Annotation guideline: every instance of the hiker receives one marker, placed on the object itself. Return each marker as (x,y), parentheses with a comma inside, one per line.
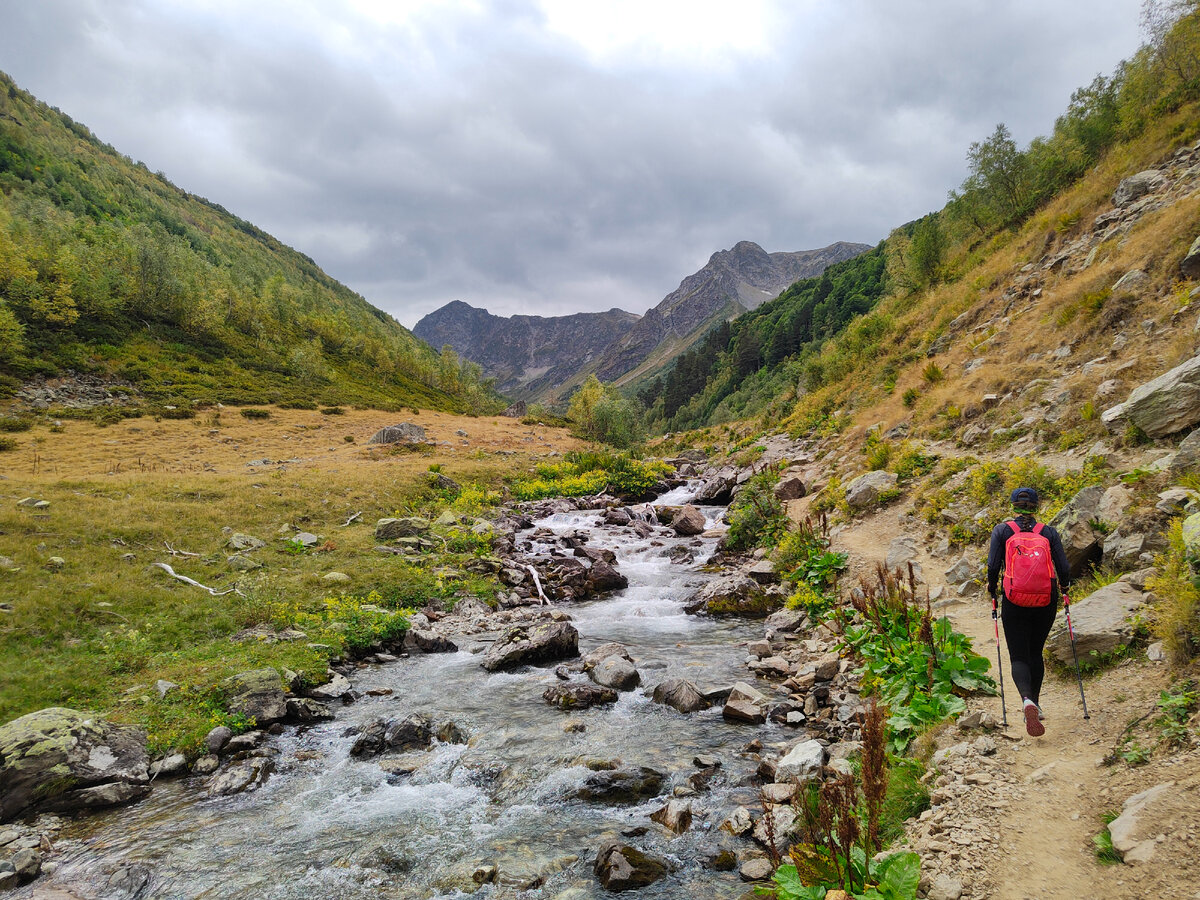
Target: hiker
(1036,573)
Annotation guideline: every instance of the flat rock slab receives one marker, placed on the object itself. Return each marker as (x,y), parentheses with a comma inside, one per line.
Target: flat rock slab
(1165,405)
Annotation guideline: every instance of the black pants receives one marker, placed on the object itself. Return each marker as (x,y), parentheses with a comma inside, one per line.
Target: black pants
(1025,631)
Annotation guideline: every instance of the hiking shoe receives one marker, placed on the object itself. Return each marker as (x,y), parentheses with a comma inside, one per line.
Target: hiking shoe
(1032,725)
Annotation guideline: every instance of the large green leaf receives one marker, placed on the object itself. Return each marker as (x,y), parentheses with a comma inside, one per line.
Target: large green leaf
(899,876)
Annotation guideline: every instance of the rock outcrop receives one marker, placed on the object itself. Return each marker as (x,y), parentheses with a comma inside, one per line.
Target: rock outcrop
(1101,622)
(63,760)
(1165,405)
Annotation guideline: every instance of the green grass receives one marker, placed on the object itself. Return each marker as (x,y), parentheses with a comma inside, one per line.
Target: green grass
(98,633)
(1106,855)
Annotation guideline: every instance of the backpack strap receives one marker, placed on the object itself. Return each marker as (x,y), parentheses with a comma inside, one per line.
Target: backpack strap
(1037,529)
(1012,523)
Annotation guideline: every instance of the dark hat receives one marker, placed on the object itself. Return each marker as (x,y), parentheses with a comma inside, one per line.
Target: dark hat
(1025,498)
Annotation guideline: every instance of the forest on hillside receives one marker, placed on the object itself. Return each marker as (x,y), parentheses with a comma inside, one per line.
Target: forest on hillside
(108,268)
(821,329)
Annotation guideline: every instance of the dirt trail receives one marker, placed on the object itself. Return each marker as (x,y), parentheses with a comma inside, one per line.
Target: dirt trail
(1061,791)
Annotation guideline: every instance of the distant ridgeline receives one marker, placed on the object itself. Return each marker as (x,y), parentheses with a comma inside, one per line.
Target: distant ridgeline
(107,268)
(740,367)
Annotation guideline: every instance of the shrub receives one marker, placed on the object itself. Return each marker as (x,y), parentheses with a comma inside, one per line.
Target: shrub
(756,517)
(1088,411)
(297,404)
(176,412)
(933,373)
(333,411)
(252,413)
(355,623)
(909,397)
(15,423)
(7,444)
(1177,622)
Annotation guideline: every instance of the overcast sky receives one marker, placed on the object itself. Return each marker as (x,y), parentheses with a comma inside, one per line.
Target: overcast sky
(557,156)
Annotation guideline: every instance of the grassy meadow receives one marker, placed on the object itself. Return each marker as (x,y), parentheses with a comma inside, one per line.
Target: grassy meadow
(93,623)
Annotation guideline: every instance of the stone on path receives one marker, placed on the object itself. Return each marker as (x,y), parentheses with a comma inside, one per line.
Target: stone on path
(1133,832)
(864,491)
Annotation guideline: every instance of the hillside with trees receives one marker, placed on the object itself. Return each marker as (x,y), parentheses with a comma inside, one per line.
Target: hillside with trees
(108,269)
(849,335)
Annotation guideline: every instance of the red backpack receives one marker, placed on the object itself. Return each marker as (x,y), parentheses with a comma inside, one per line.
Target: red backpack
(1028,568)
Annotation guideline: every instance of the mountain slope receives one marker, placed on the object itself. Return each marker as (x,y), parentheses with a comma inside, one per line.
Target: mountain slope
(523,353)
(111,270)
(732,282)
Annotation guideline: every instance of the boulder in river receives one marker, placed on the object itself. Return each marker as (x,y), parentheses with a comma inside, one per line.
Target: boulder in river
(735,595)
(603,576)
(718,488)
(615,672)
(573,697)
(745,704)
(680,694)
(621,786)
(621,867)
(429,641)
(62,760)
(676,816)
(524,646)
(257,694)
(242,776)
(688,521)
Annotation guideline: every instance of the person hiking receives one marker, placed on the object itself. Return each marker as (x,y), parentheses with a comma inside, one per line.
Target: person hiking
(1036,574)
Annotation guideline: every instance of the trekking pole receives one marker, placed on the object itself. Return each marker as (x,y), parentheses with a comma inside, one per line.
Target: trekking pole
(1074,655)
(999,661)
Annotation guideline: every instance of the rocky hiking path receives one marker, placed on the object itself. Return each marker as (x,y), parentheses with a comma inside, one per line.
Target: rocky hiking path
(1013,817)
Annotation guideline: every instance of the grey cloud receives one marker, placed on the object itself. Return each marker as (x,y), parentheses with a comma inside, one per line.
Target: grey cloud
(472,155)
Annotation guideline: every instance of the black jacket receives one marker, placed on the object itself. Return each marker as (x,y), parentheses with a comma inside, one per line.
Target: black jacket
(1000,535)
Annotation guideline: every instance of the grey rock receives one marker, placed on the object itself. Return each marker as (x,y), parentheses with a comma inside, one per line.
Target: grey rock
(615,672)
(429,641)
(964,571)
(738,822)
(688,521)
(621,786)
(1163,406)
(216,739)
(864,490)
(944,887)
(404,526)
(1133,188)
(681,695)
(1141,819)
(246,775)
(756,870)
(790,487)
(802,762)
(206,765)
(1191,533)
(735,595)
(745,704)
(1134,281)
(1100,622)
(524,646)
(175,764)
(240,563)
(64,759)
(763,571)
(336,688)
(901,551)
(593,658)
(306,709)
(163,687)
(1190,266)
(676,816)
(1080,540)
(258,694)
(405,432)
(718,488)
(241,542)
(621,867)
(1187,457)
(573,697)
(27,863)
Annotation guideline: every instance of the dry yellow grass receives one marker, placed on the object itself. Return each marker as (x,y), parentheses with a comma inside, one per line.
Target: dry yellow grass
(220,441)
